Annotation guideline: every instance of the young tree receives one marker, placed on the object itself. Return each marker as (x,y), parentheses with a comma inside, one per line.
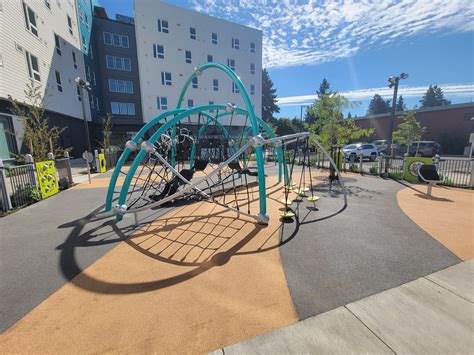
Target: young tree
(433,97)
(330,127)
(284,126)
(107,125)
(269,96)
(409,130)
(378,105)
(401,104)
(324,90)
(40,139)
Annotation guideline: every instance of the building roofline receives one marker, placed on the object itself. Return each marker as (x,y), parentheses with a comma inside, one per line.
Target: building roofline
(427,109)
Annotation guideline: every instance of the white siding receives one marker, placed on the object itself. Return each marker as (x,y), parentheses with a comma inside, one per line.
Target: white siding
(15,39)
(178,41)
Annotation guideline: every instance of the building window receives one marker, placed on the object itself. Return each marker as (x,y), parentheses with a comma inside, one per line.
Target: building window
(78,90)
(57,43)
(97,103)
(69,24)
(114,39)
(211,103)
(195,82)
(47,4)
(93,79)
(252,47)
(214,38)
(118,63)
(210,58)
(127,64)
(163,26)
(88,73)
(188,57)
(162,103)
(235,43)
(166,78)
(123,108)
(192,33)
(109,60)
(74,60)
(231,63)
(158,51)
(121,86)
(58,82)
(30,19)
(91,100)
(190,103)
(252,68)
(235,88)
(33,67)
(252,89)
(215,85)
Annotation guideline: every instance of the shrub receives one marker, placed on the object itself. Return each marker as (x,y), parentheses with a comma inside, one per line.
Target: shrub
(353,168)
(63,183)
(373,170)
(25,195)
(395,176)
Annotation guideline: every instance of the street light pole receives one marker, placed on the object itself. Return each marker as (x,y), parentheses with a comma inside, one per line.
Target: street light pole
(84,85)
(394,81)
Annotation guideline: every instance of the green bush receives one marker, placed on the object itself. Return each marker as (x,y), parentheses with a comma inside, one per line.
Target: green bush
(25,195)
(395,176)
(353,168)
(63,183)
(373,170)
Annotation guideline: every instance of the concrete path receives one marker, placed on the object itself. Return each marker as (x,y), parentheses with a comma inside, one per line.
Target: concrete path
(434,314)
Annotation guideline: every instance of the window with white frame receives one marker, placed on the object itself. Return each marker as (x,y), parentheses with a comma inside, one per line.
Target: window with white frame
(69,24)
(231,63)
(47,4)
(123,108)
(252,68)
(192,33)
(121,86)
(115,39)
(188,56)
(30,19)
(252,89)
(252,47)
(57,44)
(215,84)
(195,82)
(211,103)
(88,73)
(190,103)
(210,58)
(97,103)
(162,103)
(91,100)
(118,63)
(124,41)
(84,41)
(158,51)
(108,38)
(59,85)
(74,59)
(78,90)
(235,88)
(235,43)
(94,82)
(33,67)
(163,26)
(166,78)
(214,38)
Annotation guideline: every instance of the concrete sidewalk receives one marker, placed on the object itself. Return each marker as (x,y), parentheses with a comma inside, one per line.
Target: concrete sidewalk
(433,314)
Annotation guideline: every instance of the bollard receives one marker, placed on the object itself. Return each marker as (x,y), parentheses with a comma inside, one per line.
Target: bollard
(4,195)
(405,155)
(361,160)
(381,164)
(50,156)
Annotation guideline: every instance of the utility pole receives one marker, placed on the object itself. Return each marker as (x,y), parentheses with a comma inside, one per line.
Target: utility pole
(394,80)
(85,85)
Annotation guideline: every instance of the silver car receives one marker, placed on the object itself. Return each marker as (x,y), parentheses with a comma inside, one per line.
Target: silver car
(353,152)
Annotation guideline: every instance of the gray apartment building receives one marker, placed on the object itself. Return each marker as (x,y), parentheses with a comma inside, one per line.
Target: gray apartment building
(116,66)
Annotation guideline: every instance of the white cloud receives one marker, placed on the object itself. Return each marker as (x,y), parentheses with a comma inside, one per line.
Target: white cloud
(450,90)
(297,32)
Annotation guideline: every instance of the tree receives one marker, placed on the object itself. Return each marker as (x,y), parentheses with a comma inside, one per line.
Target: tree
(269,96)
(330,127)
(284,126)
(401,104)
(433,97)
(107,125)
(324,90)
(40,139)
(349,115)
(409,130)
(378,105)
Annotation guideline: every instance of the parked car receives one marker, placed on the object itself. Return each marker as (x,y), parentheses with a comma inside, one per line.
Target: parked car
(381,145)
(352,152)
(424,149)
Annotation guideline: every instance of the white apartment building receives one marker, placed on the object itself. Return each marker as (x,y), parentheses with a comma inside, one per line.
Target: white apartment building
(172,41)
(40,42)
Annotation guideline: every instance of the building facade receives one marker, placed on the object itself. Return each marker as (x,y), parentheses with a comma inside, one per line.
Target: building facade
(115,60)
(40,43)
(172,41)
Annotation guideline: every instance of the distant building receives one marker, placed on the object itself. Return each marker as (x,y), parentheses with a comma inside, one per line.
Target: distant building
(172,41)
(40,42)
(449,125)
(116,64)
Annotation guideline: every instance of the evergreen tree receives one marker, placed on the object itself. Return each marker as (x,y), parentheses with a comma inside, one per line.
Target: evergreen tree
(378,105)
(269,96)
(284,126)
(324,90)
(433,97)
(401,104)
(349,115)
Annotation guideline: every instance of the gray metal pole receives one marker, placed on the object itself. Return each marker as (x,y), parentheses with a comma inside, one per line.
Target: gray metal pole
(86,126)
(392,115)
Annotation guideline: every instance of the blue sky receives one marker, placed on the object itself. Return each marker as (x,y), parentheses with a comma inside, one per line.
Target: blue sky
(356,45)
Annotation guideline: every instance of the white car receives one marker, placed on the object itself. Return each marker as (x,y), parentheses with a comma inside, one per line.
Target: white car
(353,152)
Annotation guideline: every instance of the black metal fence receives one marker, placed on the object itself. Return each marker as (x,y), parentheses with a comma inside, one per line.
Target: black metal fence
(21,183)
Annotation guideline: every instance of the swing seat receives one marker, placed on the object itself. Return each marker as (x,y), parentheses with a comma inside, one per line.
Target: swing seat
(171,187)
(300,192)
(235,165)
(287,215)
(312,198)
(286,202)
